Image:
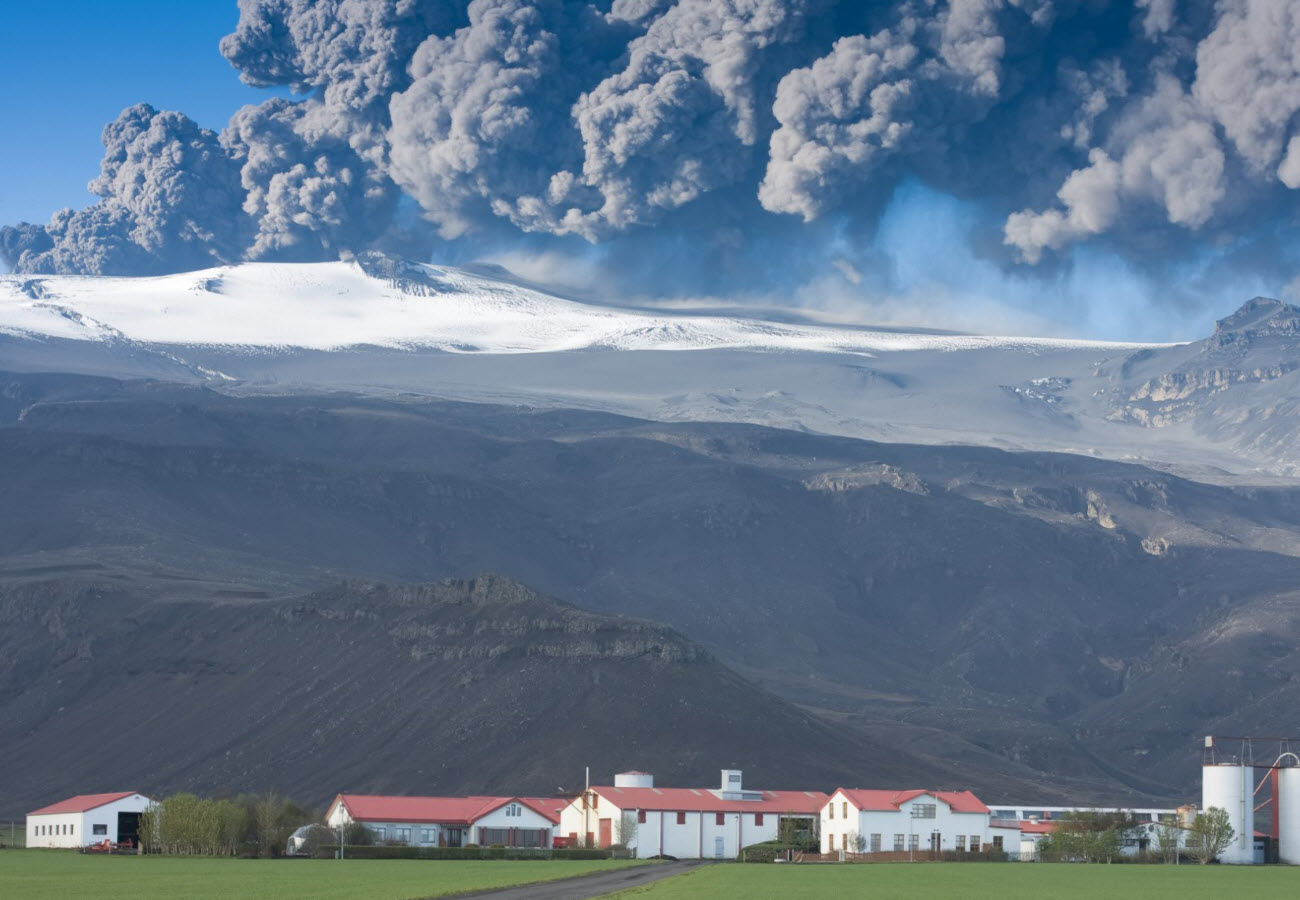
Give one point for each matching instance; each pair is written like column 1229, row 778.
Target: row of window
column 48, row 830
column 718, row 818
column 874, row 843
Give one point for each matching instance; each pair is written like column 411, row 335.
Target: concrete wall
column 948, row 823
column 661, row 834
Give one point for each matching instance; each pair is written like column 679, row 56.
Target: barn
column 88, row 819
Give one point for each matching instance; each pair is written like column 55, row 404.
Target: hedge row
column 387, row 852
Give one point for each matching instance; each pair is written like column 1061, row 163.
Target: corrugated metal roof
column 887, row 801
column 80, row 803
column 440, row 810
column 693, row 800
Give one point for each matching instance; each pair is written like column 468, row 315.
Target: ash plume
column 777, row 134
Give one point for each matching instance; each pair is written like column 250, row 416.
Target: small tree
column 1168, row 838
column 358, row 835
column 627, row 828
column 1210, row 835
column 855, row 843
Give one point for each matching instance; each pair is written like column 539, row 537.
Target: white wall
column 63, row 830
column 527, row 818
column 80, row 826
column 660, row 833
column 948, row 823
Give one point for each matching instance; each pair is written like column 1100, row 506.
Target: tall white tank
column 1288, row 820
column 634, row 780
column 1232, row 788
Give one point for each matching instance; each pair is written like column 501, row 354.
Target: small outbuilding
column 88, row 819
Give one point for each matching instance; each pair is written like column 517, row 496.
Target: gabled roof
column 890, row 801
column 705, row 800
column 81, row 803
column 438, row 810
column 1027, row 827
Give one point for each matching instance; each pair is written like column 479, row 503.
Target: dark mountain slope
column 451, row 687
column 1013, row 611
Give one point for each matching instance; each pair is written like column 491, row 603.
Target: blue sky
column 73, row 66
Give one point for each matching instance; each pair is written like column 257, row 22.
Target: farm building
column 88, row 819
column 450, row 821
column 688, row 823
column 875, row 821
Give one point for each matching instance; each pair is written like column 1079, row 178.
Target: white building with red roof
column 88, row 819
column 687, row 823
column 876, row 821
column 451, row 821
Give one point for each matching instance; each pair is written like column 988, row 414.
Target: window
column 514, row 810
column 831, row 846
column 844, row 809
column 595, row 800
column 914, row 842
column 640, row 816
column 875, row 843
column 404, row 835
column 428, row 835
column 974, row 843
column 997, row 842
column 99, row 829
column 733, row 778
column 720, row 819
column 923, row 810
column 898, row 843
column 379, row 833
column 681, row 818
column 961, row 842
column 832, row 811
column 72, row 829
column 758, row 818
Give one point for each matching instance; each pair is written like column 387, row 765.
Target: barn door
column 606, row 832
column 719, row 848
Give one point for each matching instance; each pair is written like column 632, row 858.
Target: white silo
column 634, row 780
column 1232, row 788
column 1288, row 816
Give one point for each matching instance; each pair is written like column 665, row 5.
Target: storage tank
column 1288, row 816
column 634, row 780
column 1232, row 788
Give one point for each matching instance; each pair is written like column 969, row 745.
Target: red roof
column 888, row 801
column 704, row 800
column 439, row 810
column 80, row 803
column 1028, row 827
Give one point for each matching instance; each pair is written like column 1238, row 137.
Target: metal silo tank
column 1232, row 788
column 1288, row 822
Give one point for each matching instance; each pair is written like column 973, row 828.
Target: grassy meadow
column 975, row 881
column 65, row 875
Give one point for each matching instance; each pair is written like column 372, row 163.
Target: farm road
column 581, row 887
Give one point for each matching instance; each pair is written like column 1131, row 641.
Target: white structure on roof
column 1002, row 811
column 687, row 823
column 451, row 821
column 88, row 819
column 884, row 821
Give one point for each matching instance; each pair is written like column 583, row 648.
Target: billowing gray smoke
column 1155, row 125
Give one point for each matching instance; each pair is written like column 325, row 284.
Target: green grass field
column 976, row 881
column 40, row 874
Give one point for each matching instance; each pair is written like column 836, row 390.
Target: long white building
column 451, row 821
column 88, row 819
column 686, row 823
column 885, row 821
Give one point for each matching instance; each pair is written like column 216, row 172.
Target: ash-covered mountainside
column 460, row 686
column 1026, row 616
column 378, row 325
column 1239, row 387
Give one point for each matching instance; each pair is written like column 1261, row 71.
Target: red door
column 606, row 832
